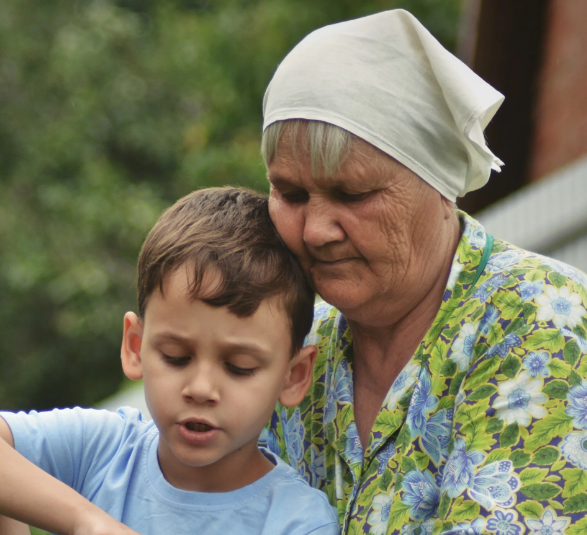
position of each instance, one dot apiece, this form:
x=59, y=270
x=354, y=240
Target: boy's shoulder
x=296, y=507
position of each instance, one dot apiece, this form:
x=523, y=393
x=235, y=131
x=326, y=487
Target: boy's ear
x=130, y=352
x=299, y=376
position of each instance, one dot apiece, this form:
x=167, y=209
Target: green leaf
x=386, y=480
x=494, y=425
x=443, y=507
x=532, y=475
x=545, y=456
x=498, y=454
x=446, y=403
x=448, y=368
x=577, y=528
x=575, y=481
x=556, y=389
x=408, y=464
x=515, y=325
x=455, y=384
x=481, y=393
x=483, y=372
x=449, y=334
x=541, y=491
x=399, y=515
x=510, y=436
x=509, y=304
x=422, y=460
x=510, y=366
x=571, y=352
x=575, y=379
x=550, y=339
x=557, y=279
x=467, y=510
x=519, y=458
x=528, y=309
x=480, y=349
x=557, y=424
x=576, y=504
x=530, y=509
x=559, y=369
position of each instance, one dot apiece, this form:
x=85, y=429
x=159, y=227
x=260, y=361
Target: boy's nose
x=202, y=387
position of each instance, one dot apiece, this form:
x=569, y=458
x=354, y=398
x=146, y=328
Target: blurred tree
x=109, y=111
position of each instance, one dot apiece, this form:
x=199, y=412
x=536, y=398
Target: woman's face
x=369, y=236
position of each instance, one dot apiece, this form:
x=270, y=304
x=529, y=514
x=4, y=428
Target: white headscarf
x=387, y=80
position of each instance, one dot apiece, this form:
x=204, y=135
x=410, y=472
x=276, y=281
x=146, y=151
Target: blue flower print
x=530, y=290
x=494, y=485
x=459, y=471
x=462, y=347
x=574, y=449
x=568, y=271
x=294, y=437
x=352, y=449
x=422, y=402
x=488, y=319
x=435, y=437
x=577, y=408
x=549, y=524
x=380, y=514
x=269, y=439
x=339, y=392
x=503, y=348
x=581, y=342
x=421, y=494
x=501, y=261
x=418, y=528
x=383, y=457
x=477, y=527
x=477, y=235
x=503, y=523
x=317, y=469
x=485, y=290
x=535, y=364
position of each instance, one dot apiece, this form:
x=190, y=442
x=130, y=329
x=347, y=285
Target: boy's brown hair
x=226, y=231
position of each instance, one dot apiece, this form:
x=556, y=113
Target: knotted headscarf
x=387, y=80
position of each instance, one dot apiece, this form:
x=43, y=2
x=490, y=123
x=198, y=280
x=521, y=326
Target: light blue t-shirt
x=111, y=459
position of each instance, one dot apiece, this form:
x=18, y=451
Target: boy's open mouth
x=198, y=427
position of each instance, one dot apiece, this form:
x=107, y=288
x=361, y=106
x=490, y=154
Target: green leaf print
x=408, y=464
x=541, y=491
x=519, y=458
x=443, y=507
x=448, y=368
x=482, y=373
x=550, y=339
x=575, y=481
x=498, y=454
x=576, y=504
x=559, y=369
x=545, y=456
x=557, y=279
x=557, y=424
x=467, y=510
x=515, y=326
x=494, y=425
x=556, y=389
x=530, y=509
x=528, y=309
x=509, y=304
x=572, y=352
x=578, y=528
x=532, y=475
x=510, y=436
x=481, y=393
x=574, y=378
x=510, y=366
x=446, y=403
x=398, y=516
x=455, y=384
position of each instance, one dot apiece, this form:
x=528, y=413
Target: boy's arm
x=8, y=526
x=30, y=495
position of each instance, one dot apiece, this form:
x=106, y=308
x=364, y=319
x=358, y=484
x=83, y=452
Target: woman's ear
x=299, y=377
x=130, y=352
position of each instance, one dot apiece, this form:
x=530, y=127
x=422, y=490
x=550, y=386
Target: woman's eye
x=295, y=196
x=176, y=361
x=237, y=370
x=350, y=197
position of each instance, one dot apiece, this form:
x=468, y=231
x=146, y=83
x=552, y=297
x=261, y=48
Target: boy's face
x=211, y=382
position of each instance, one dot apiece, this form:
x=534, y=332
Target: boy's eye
x=176, y=361
x=237, y=370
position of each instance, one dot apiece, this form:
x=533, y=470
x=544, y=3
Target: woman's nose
x=321, y=225
x=202, y=386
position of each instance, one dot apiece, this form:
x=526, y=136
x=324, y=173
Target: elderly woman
x=450, y=390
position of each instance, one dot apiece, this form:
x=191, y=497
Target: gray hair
x=329, y=145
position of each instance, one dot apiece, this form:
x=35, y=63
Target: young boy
x=223, y=310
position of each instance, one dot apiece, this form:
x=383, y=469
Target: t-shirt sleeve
x=329, y=529
x=71, y=444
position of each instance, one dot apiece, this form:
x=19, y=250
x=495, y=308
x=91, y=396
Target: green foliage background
x=110, y=111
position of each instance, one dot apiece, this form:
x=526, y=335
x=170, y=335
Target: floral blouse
x=484, y=430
